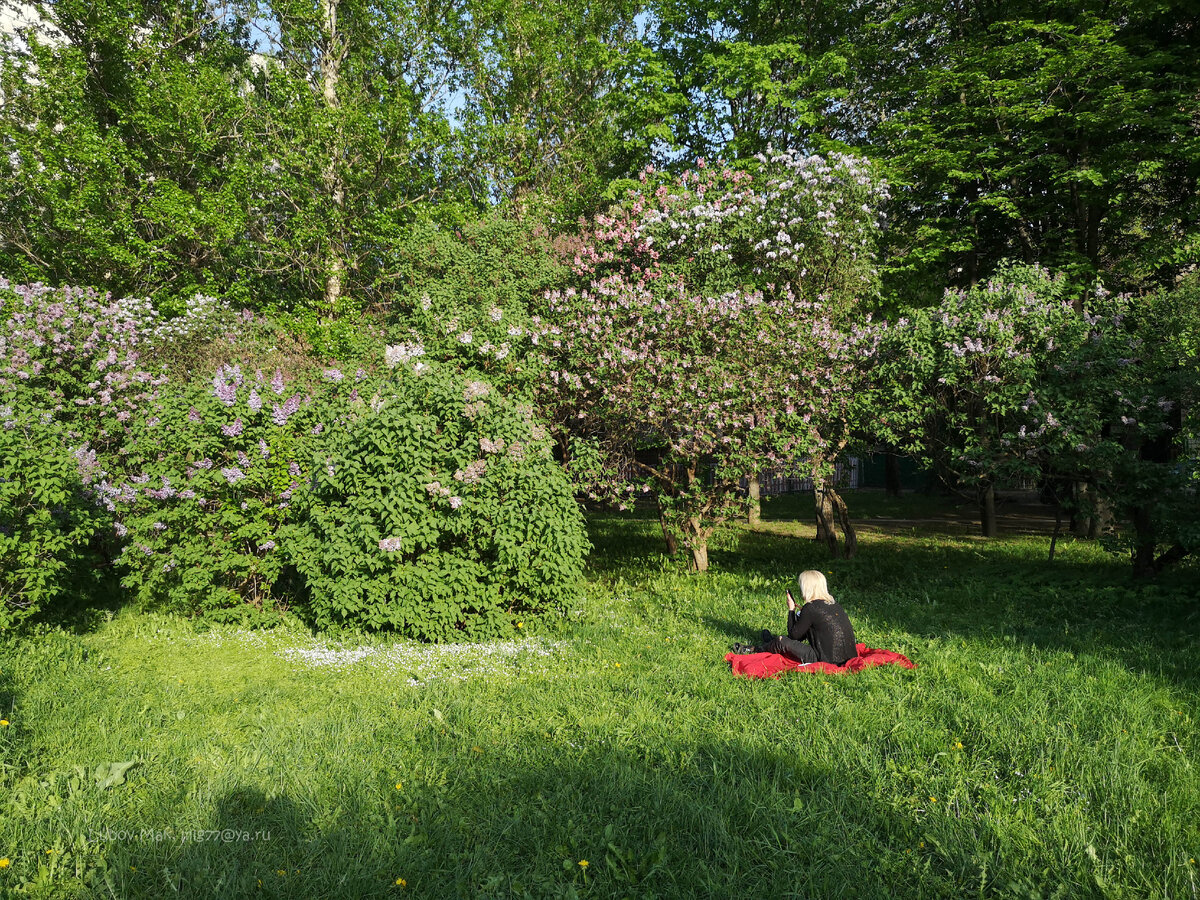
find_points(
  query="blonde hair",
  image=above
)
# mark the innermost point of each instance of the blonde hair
(814, 587)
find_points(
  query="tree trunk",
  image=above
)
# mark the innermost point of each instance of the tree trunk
(987, 510)
(850, 547)
(335, 188)
(668, 535)
(754, 500)
(891, 474)
(826, 530)
(697, 543)
(1145, 540)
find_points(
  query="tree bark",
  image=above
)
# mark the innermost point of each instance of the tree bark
(335, 188)
(987, 509)
(891, 474)
(668, 535)
(826, 529)
(849, 535)
(754, 500)
(696, 538)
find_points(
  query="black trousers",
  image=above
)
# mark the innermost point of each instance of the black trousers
(786, 646)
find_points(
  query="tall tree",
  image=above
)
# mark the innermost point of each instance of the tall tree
(558, 99)
(352, 138)
(122, 124)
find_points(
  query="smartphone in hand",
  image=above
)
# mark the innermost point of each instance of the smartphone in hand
(791, 602)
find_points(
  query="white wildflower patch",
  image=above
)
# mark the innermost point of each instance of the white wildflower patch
(422, 663)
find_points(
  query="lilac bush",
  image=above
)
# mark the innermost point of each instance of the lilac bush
(709, 335)
(211, 470)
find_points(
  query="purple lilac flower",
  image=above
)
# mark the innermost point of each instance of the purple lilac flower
(159, 526)
(455, 502)
(243, 459)
(390, 545)
(267, 545)
(360, 374)
(254, 401)
(263, 449)
(294, 470)
(226, 393)
(205, 463)
(120, 529)
(194, 415)
(233, 474)
(333, 375)
(318, 428)
(280, 414)
(233, 430)
(277, 382)
(189, 494)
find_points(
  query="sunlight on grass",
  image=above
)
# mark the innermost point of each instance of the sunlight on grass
(1044, 746)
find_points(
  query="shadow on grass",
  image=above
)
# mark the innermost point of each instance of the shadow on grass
(952, 586)
(721, 820)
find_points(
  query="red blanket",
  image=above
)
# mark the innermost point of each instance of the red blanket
(771, 665)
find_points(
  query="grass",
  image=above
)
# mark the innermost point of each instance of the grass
(1044, 747)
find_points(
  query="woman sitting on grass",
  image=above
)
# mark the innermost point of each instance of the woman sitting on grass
(818, 632)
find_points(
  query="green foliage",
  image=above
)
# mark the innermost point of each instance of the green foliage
(209, 473)
(464, 295)
(47, 519)
(437, 511)
(123, 124)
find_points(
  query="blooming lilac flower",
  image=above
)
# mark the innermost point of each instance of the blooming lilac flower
(233, 474)
(194, 415)
(267, 545)
(223, 391)
(390, 545)
(120, 529)
(318, 428)
(333, 375)
(281, 414)
(360, 375)
(395, 354)
(455, 502)
(263, 449)
(233, 430)
(243, 459)
(294, 470)
(205, 463)
(159, 526)
(254, 401)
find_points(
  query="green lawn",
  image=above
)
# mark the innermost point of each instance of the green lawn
(1046, 745)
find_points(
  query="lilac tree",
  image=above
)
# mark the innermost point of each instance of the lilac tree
(710, 335)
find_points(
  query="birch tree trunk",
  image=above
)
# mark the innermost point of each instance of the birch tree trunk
(332, 55)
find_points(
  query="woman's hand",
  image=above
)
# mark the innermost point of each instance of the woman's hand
(791, 602)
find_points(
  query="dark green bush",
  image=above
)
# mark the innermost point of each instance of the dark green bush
(436, 510)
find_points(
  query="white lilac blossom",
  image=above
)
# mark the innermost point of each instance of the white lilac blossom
(390, 544)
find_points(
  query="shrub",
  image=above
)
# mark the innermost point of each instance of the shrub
(46, 521)
(210, 473)
(437, 510)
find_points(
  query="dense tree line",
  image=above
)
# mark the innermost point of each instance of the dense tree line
(469, 176)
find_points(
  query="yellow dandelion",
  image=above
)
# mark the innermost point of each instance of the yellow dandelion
(400, 882)
(618, 665)
(399, 785)
(281, 872)
(921, 845)
(520, 625)
(5, 863)
(583, 864)
(3, 723)
(133, 868)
